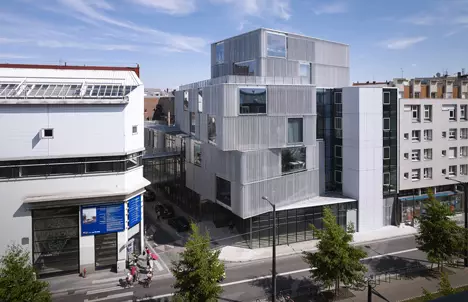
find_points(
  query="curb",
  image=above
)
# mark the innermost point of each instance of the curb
(315, 249)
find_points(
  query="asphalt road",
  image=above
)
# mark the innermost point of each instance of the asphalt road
(251, 281)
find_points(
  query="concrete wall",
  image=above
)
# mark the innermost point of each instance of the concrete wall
(363, 153)
(440, 122)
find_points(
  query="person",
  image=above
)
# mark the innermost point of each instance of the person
(134, 273)
(149, 277)
(129, 279)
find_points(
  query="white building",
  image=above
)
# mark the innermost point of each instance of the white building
(70, 165)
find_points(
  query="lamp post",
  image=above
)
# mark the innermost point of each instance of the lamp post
(465, 210)
(273, 264)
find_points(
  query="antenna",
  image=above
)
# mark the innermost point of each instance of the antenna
(401, 72)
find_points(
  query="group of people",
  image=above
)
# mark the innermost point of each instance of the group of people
(133, 274)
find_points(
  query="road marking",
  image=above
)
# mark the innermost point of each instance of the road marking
(281, 274)
(159, 259)
(158, 265)
(103, 290)
(116, 296)
(116, 279)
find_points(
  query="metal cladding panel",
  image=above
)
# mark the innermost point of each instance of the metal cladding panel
(329, 53)
(200, 181)
(282, 191)
(182, 116)
(253, 132)
(212, 97)
(237, 206)
(277, 67)
(309, 131)
(312, 157)
(301, 48)
(260, 165)
(291, 100)
(193, 100)
(331, 76)
(224, 164)
(203, 127)
(230, 100)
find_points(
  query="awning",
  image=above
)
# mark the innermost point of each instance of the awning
(424, 196)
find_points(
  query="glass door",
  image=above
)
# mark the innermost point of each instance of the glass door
(105, 247)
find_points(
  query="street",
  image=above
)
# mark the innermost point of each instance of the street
(250, 281)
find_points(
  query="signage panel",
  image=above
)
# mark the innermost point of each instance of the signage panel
(102, 219)
(134, 211)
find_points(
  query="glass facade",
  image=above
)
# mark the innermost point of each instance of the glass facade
(390, 141)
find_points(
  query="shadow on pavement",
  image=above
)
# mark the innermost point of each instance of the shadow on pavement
(303, 287)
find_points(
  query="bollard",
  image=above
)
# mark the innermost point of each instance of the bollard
(84, 273)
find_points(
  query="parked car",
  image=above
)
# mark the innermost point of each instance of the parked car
(166, 211)
(149, 196)
(180, 223)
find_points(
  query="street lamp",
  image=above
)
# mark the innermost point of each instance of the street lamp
(465, 205)
(273, 264)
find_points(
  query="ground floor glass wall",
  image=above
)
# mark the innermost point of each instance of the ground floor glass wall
(56, 240)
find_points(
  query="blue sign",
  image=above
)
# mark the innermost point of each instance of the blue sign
(102, 219)
(134, 211)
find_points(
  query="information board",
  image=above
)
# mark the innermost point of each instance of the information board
(102, 219)
(134, 211)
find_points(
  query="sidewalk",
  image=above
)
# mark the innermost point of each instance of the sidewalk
(228, 253)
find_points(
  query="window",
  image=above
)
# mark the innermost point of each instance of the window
(200, 100)
(428, 113)
(253, 100)
(433, 95)
(295, 126)
(444, 171)
(452, 171)
(464, 169)
(304, 70)
(338, 176)
(452, 109)
(219, 53)
(386, 179)
(133, 161)
(406, 155)
(416, 95)
(406, 136)
(246, 68)
(386, 152)
(464, 151)
(47, 133)
(211, 129)
(415, 174)
(293, 159)
(444, 134)
(415, 113)
(427, 173)
(135, 129)
(338, 123)
(416, 135)
(452, 152)
(444, 153)
(197, 159)
(338, 151)
(427, 154)
(276, 45)
(463, 109)
(192, 123)
(185, 100)
(428, 135)
(464, 133)
(416, 155)
(223, 191)
(405, 175)
(448, 95)
(452, 133)
(386, 98)
(386, 123)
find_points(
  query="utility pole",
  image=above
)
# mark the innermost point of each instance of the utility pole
(401, 72)
(273, 264)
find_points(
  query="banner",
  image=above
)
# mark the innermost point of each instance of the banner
(134, 211)
(102, 219)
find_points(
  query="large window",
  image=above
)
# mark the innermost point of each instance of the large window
(295, 130)
(304, 70)
(245, 68)
(276, 45)
(192, 123)
(212, 129)
(253, 100)
(185, 100)
(197, 158)
(200, 100)
(293, 159)
(220, 53)
(223, 191)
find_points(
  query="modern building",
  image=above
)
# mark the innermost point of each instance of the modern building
(71, 173)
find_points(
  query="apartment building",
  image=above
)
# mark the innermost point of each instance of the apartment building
(253, 133)
(71, 176)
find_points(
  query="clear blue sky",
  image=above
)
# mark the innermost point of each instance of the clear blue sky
(170, 38)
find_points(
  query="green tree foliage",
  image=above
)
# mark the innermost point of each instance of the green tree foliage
(18, 280)
(198, 270)
(439, 236)
(336, 261)
(445, 286)
(427, 295)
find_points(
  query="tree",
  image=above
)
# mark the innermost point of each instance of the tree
(427, 295)
(198, 270)
(18, 279)
(439, 236)
(444, 284)
(336, 261)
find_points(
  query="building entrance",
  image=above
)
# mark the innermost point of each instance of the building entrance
(105, 248)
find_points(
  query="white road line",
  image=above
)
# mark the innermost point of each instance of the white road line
(159, 258)
(282, 274)
(106, 280)
(103, 290)
(116, 296)
(158, 265)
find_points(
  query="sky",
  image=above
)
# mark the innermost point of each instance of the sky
(170, 39)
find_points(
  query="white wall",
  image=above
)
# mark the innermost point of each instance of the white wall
(363, 153)
(132, 115)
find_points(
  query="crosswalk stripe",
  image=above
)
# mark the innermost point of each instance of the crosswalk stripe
(159, 266)
(103, 290)
(116, 296)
